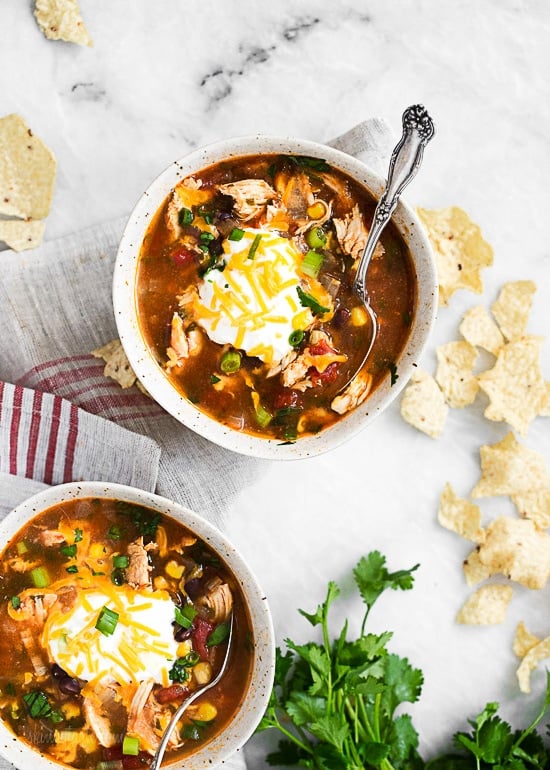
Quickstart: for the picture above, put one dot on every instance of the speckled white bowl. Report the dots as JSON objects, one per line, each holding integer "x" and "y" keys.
{"x": 151, "y": 374}
{"x": 239, "y": 730}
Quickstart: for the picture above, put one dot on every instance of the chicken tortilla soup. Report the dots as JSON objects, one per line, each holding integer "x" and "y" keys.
{"x": 244, "y": 294}
{"x": 111, "y": 615}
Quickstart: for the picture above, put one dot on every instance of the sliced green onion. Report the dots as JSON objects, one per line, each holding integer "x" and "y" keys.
{"x": 308, "y": 300}
{"x": 236, "y": 234}
{"x": 40, "y": 577}
{"x": 205, "y": 214}
{"x": 185, "y": 217}
{"x": 254, "y": 247}
{"x": 230, "y": 361}
{"x": 185, "y": 615}
{"x": 15, "y": 602}
{"x": 22, "y": 547}
{"x": 121, "y": 562}
{"x": 218, "y": 635}
{"x": 73, "y": 569}
{"x": 117, "y": 577}
{"x": 316, "y": 237}
{"x": 114, "y": 533}
{"x": 290, "y": 433}
{"x": 206, "y": 237}
{"x": 296, "y": 337}
{"x": 263, "y": 417}
{"x": 78, "y": 534}
{"x": 311, "y": 263}
{"x": 107, "y": 621}
{"x": 130, "y": 745}
{"x": 68, "y": 550}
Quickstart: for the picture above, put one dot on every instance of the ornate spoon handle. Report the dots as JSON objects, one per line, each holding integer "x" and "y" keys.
{"x": 418, "y": 129}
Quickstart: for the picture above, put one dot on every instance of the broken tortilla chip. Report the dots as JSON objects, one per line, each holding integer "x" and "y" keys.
{"x": 460, "y": 250}
{"x": 423, "y": 404}
{"x": 460, "y": 515}
{"x": 117, "y": 366}
{"x": 478, "y": 328}
{"x": 515, "y": 386}
{"x": 530, "y": 661}
{"x": 20, "y": 235}
{"x": 454, "y": 374}
{"x": 512, "y": 308}
{"x": 518, "y": 550}
{"x": 509, "y": 468}
{"x": 474, "y": 569}
{"x": 61, "y": 20}
{"x": 486, "y": 606}
{"x": 524, "y": 640}
{"x": 27, "y": 171}
{"x": 535, "y": 505}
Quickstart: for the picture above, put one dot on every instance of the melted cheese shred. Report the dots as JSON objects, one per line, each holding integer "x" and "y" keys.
{"x": 142, "y": 642}
{"x": 253, "y": 303}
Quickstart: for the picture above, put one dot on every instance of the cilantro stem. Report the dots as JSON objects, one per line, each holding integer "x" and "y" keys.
{"x": 291, "y": 736}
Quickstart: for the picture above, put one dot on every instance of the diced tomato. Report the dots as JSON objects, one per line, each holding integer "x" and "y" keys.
{"x": 323, "y": 378}
{"x": 169, "y": 694}
{"x": 201, "y": 631}
{"x": 142, "y": 760}
{"x": 321, "y": 348}
{"x": 285, "y": 397}
{"x": 183, "y": 256}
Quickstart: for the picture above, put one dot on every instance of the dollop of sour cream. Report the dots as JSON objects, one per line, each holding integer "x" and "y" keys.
{"x": 142, "y": 644}
{"x": 253, "y": 304}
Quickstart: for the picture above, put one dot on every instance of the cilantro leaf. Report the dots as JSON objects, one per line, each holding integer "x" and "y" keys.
{"x": 308, "y": 300}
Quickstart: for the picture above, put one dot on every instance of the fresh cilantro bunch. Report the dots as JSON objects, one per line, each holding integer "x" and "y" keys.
{"x": 335, "y": 701}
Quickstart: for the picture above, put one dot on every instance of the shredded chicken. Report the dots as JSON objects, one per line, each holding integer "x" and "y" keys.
{"x": 32, "y": 614}
{"x": 218, "y": 601}
{"x": 182, "y": 343}
{"x": 354, "y": 394}
{"x": 138, "y": 571}
{"x": 294, "y": 375}
{"x": 98, "y": 723}
{"x": 278, "y": 366}
{"x": 351, "y": 233}
{"x": 250, "y": 196}
{"x": 49, "y": 537}
{"x": 143, "y": 715}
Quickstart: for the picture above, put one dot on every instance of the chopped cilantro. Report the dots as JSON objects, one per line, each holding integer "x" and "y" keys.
{"x": 308, "y": 300}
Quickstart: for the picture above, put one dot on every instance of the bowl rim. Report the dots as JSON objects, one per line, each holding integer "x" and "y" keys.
{"x": 244, "y": 722}
{"x": 148, "y": 370}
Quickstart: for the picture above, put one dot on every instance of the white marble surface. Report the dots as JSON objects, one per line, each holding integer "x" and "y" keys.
{"x": 167, "y": 76}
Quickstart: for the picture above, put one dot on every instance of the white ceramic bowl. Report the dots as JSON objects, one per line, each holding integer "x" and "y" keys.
{"x": 150, "y": 373}
{"x": 239, "y": 730}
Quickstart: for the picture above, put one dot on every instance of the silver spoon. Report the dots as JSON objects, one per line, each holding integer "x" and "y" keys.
{"x": 157, "y": 759}
{"x": 418, "y": 129}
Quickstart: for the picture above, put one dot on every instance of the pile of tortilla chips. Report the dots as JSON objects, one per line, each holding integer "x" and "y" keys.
{"x": 27, "y": 178}
{"x": 510, "y": 550}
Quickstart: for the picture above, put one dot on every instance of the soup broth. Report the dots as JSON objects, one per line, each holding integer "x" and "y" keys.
{"x": 111, "y": 615}
{"x": 244, "y": 294}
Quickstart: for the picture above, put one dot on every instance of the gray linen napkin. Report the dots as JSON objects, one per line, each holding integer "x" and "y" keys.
{"x": 61, "y": 419}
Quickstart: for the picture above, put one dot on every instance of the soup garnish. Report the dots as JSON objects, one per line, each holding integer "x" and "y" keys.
{"x": 111, "y": 615}
{"x": 244, "y": 294}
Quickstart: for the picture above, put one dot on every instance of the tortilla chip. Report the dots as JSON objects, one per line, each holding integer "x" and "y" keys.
{"x": 460, "y": 516}
{"x": 423, "y": 404}
{"x": 459, "y": 248}
{"x": 512, "y": 308}
{"x": 474, "y": 569}
{"x": 478, "y": 328}
{"x": 515, "y": 386}
{"x": 486, "y": 606}
{"x": 517, "y": 549}
{"x": 20, "y": 235}
{"x": 27, "y": 171}
{"x": 454, "y": 374}
{"x": 509, "y": 468}
{"x": 534, "y": 505}
{"x": 117, "y": 366}
{"x": 533, "y": 657}
{"x": 545, "y": 411}
{"x": 524, "y": 640}
{"x": 61, "y": 20}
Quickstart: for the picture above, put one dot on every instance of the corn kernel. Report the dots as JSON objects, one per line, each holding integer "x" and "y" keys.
{"x": 70, "y": 710}
{"x": 184, "y": 648}
{"x": 358, "y": 316}
{"x": 174, "y": 570}
{"x": 28, "y": 677}
{"x": 202, "y": 672}
{"x": 316, "y": 210}
{"x": 97, "y": 551}
{"x": 206, "y": 712}
{"x": 160, "y": 583}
